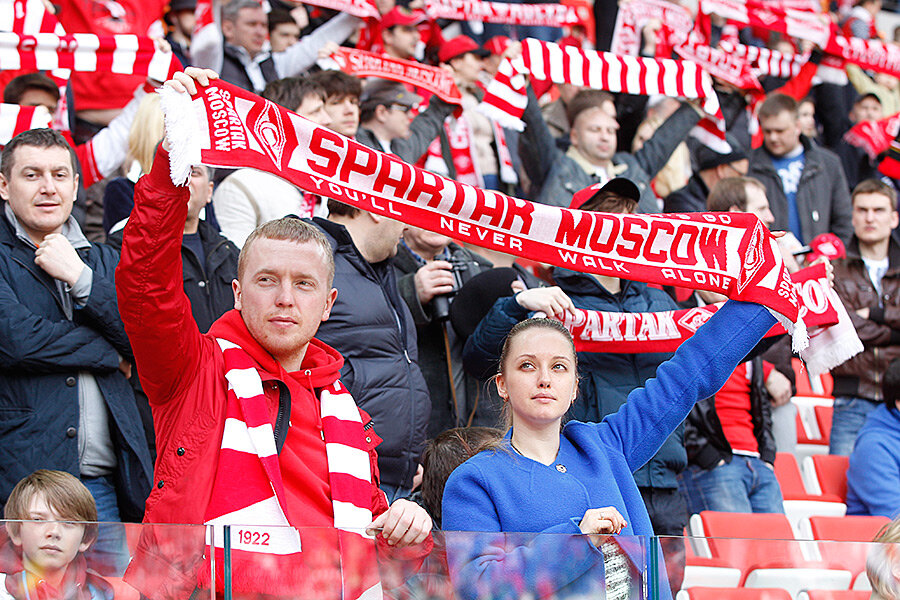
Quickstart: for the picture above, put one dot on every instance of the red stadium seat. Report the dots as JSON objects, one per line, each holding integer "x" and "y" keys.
{"x": 837, "y": 595}
{"x": 846, "y": 530}
{"x": 818, "y": 385}
{"x": 798, "y": 503}
{"x": 823, "y": 419}
{"x": 711, "y": 593}
{"x": 831, "y": 472}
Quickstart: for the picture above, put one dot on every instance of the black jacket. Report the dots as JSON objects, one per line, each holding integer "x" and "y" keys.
{"x": 690, "y": 198}
{"x": 233, "y": 70}
{"x": 208, "y": 286}
{"x": 372, "y": 328}
{"x": 43, "y": 351}
{"x": 704, "y": 439}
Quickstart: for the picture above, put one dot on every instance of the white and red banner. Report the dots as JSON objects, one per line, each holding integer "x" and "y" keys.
{"x": 550, "y": 15}
{"x": 730, "y": 253}
{"x": 358, "y": 8}
{"x": 361, "y": 63}
{"x": 874, "y": 137}
{"x": 629, "y": 333}
{"x": 15, "y": 119}
{"x": 873, "y": 55}
{"x": 28, "y": 17}
{"x": 727, "y": 66}
{"x": 635, "y": 14}
{"x": 793, "y": 22}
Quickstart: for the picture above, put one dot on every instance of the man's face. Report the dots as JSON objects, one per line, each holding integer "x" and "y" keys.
{"x": 397, "y": 119}
{"x": 284, "y": 293}
{"x": 249, "y": 30}
{"x": 38, "y": 97}
{"x": 806, "y": 119}
{"x": 781, "y": 133}
{"x": 758, "y": 204}
{"x": 313, "y": 108}
{"x": 467, "y": 68}
{"x": 388, "y": 235}
{"x": 594, "y": 135}
{"x": 184, "y": 21}
{"x": 41, "y": 189}
{"x": 400, "y": 41}
{"x": 344, "y": 113}
{"x": 201, "y": 191}
{"x": 873, "y": 217}
{"x": 867, "y": 109}
{"x": 48, "y": 545}
{"x": 283, "y": 36}
{"x": 424, "y": 241}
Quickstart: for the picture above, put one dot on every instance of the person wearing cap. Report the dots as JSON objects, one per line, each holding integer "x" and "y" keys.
{"x": 400, "y": 34}
{"x": 712, "y": 166}
{"x": 605, "y": 379}
{"x": 180, "y": 20}
{"x": 857, "y": 163}
{"x": 868, "y": 282}
{"x": 246, "y": 62}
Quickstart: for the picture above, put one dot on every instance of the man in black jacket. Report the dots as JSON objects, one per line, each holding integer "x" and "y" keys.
{"x": 65, "y": 401}
{"x": 372, "y": 328}
{"x": 712, "y": 167}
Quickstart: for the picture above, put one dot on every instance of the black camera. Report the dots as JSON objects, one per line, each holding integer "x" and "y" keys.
{"x": 463, "y": 270}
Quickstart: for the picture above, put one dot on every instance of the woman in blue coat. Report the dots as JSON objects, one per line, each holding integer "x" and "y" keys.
{"x": 577, "y": 478}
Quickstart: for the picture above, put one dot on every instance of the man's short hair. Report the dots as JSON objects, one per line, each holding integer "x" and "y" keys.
{"x": 338, "y": 84}
{"x": 585, "y": 100}
{"x": 277, "y": 16}
{"x": 290, "y": 91}
{"x": 875, "y": 186}
{"x": 776, "y": 104}
{"x": 342, "y": 210}
{"x": 17, "y": 86}
{"x": 62, "y": 491}
{"x": 289, "y": 229}
{"x": 39, "y": 138}
{"x": 731, "y": 192}
{"x": 231, "y": 9}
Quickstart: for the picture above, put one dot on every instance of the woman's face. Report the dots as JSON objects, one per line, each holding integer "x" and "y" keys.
{"x": 538, "y": 378}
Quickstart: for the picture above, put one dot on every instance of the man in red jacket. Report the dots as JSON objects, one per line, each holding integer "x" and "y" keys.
{"x": 243, "y": 415}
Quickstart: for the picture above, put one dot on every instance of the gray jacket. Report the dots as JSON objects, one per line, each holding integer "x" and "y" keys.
{"x": 422, "y": 131}
{"x": 823, "y": 196}
{"x": 558, "y": 177}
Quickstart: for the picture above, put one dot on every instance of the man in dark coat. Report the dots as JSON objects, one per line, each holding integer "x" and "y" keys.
{"x": 65, "y": 401}
{"x": 712, "y": 167}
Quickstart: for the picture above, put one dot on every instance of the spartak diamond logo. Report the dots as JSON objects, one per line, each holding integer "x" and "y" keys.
{"x": 694, "y": 318}
{"x": 754, "y": 258}
{"x": 269, "y": 130}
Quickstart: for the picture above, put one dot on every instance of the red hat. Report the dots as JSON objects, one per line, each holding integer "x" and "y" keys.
{"x": 401, "y": 16}
{"x": 828, "y": 245}
{"x": 497, "y": 45}
{"x": 619, "y": 185}
{"x": 461, "y": 44}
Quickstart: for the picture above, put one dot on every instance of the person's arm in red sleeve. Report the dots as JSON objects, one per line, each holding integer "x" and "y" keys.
{"x": 798, "y": 87}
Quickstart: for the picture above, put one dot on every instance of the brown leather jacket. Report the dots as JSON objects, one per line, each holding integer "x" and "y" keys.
{"x": 880, "y": 333}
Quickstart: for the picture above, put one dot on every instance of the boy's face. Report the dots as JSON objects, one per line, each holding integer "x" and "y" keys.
{"x": 47, "y": 544}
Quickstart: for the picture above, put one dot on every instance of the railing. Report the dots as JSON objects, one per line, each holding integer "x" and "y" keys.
{"x": 173, "y": 561}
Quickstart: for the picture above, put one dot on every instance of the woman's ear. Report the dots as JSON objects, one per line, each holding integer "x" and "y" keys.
{"x": 500, "y": 382}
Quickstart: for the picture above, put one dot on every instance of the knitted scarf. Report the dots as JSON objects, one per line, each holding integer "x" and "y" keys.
{"x": 248, "y": 492}
{"x": 550, "y": 15}
{"x": 874, "y": 136}
{"x": 15, "y": 119}
{"x": 361, "y": 63}
{"x": 633, "y": 15}
{"x": 731, "y": 253}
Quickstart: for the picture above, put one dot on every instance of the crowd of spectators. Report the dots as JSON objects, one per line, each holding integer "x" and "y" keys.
{"x": 116, "y": 377}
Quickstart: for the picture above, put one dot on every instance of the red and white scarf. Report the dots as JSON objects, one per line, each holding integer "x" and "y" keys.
{"x": 874, "y": 136}
{"x": 786, "y": 19}
{"x": 361, "y": 63}
{"x": 550, "y": 15}
{"x": 730, "y": 253}
{"x": 248, "y": 492}
{"x": 632, "y": 16}
{"x": 462, "y": 152}
{"x": 506, "y": 96}
{"x": 15, "y": 119}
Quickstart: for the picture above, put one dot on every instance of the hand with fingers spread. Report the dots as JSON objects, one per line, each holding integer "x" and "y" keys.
{"x": 548, "y": 300}
{"x": 599, "y": 522}
{"x": 433, "y": 279}
{"x": 404, "y": 524}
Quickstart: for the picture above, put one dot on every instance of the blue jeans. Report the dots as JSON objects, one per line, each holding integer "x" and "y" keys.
{"x": 850, "y": 414}
{"x": 108, "y": 555}
{"x": 746, "y": 484}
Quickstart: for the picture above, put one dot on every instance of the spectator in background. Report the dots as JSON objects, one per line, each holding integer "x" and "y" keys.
{"x": 284, "y": 31}
{"x": 861, "y": 22}
{"x": 43, "y": 556}
{"x": 873, "y": 479}
{"x": 555, "y": 113}
{"x": 245, "y": 62}
{"x": 32, "y": 89}
{"x": 806, "y": 118}
{"x": 868, "y": 282}
{"x": 883, "y": 563}
{"x": 886, "y": 87}
{"x": 180, "y": 20}
{"x": 855, "y": 160}
{"x": 342, "y": 92}
{"x": 400, "y": 34}
{"x": 805, "y": 184}
{"x": 712, "y": 167}
{"x": 247, "y": 198}
{"x": 66, "y": 359}
{"x": 372, "y": 328}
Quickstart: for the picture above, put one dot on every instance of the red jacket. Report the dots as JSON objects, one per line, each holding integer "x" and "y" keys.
{"x": 183, "y": 374}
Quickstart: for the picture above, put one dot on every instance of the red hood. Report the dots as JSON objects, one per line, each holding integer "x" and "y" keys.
{"x": 321, "y": 360}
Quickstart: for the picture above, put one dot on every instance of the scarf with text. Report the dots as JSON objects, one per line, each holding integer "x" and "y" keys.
{"x": 733, "y": 254}
{"x": 358, "y": 8}
{"x": 874, "y": 136}
{"x": 462, "y": 153}
{"x": 248, "y": 491}
{"x": 788, "y": 20}
{"x": 361, "y": 63}
{"x": 634, "y": 15}
{"x": 549, "y": 15}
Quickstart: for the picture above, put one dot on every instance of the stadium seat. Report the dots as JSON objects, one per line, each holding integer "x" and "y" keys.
{"x": 846, "y": 530}
{"x": 705, "y": 571}
{"x": 819, "y": 385}
{"x": 831, "y": 474}
{"x": 834, "y": 595}
{"x": 799, "y": 504}
{"x": 823, "y": 420}
{"x": 711, "y": 593}
{"x": 810, "y": 440}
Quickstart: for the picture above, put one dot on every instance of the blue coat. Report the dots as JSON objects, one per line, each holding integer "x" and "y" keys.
{"x": 605, "y": 379}
{"x": 501, "y": 491}
{"x": 41, "y": 354}
{"x": 873, "y": 479}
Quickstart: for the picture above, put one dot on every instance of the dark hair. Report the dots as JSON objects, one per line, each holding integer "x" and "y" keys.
{"x": 443, "y": 454}
{"x": 730, "y": 192}
{"x": 342, "y": 210}
{"x": 290, "y": 91}
{"x": 890, "y": 385}
{"x": 279, "y": 16}
{"x": 290, "y": 229}
{"x": 875, "y": 186}
{"x": 338, "y": 84}
{"x": 17, "y": 86}
{"x": 776, "y": 104}
{"x": 585, "y": 100}
{"x": 608, "y": 201}
{"x": 38, "y": 138}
